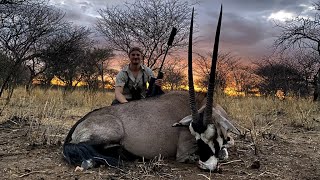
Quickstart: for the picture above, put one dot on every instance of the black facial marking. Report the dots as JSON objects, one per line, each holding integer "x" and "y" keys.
{"x": 199, "y": 127}
{"x": 204, "y": 150}
{"x": 225, "y": 141}
{"x": 215, "y": 142}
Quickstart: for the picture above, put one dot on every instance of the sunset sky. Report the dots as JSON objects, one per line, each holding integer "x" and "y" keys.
{"x": 248, "y": 28}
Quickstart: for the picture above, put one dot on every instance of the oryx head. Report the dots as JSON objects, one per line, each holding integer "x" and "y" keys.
{"x": 206, "y": 124}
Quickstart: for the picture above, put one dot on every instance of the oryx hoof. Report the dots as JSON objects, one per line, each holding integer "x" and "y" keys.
{"x": 87, "y": 164}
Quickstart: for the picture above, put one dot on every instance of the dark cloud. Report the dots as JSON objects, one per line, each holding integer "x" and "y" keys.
{"x": 247, "y": 6}
{"x": 247, "y": 30}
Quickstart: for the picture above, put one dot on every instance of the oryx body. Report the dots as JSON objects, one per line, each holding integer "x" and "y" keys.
{"x": 143, "y": 128}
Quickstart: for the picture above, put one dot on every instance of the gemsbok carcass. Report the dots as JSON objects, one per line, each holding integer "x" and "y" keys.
{"x": 144, "y": 128}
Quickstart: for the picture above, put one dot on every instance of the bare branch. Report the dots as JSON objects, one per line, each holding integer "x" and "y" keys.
{"x": 145, "y": 23}
{"x": 22, "y": 26}
{"x": 300, "y": 32}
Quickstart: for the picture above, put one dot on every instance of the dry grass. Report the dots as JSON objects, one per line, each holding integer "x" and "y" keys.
{"x": 267, "y": 116}
{"x": 50, "y": 112}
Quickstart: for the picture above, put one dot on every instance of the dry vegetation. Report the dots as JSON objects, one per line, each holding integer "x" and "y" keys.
{"x": 50, "y": 112}
{"x": 280, "y": 138}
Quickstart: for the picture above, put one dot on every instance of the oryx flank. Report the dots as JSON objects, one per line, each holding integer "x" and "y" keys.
{"x": 144, "y": 128}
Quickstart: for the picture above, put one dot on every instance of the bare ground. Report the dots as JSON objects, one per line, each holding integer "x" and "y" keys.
{"x": 292, "y": 154}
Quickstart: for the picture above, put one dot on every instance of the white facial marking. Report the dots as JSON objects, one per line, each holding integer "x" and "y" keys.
{"x": 229, "y": 143}
{"x": 211, "y": 145}
{"x": 210, "y": 164}
{"x": 207, "y": 136}
{"x": 208, "y": 133}
{"x": 194, "y": 133}
{"x": 220, "y": 140}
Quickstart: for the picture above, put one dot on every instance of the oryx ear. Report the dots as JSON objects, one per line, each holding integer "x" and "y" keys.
{"x": 225, "y": 123}
{"x": 185, "y": 122}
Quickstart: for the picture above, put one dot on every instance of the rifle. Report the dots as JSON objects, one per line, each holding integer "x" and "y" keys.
{"x": 153, "y": 89}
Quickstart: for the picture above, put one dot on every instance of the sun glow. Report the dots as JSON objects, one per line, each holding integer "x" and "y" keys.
{"x": 58, "y": 82}
{"x": 232, "y": 91}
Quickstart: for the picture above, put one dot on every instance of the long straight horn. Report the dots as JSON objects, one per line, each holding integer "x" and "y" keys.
{"x": 208, "y": 110}
{"x": 192, "y": 101}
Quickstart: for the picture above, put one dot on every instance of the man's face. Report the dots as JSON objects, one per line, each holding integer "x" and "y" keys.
{"x": 135, "y": 57}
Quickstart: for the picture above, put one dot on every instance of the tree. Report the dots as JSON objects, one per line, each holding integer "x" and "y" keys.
{"x": 307, "y": 63}
{"x": 174, "y": 73}
{"x": 280, "y": 75}
{"x": 19, "y": 77}
{"x": 5, "y": 64}
{"x": 300, "y": 32}
{"x": 11, "y": 1}
{"x": 225, "y": 65}
{"x": 97, "y": 64}
{"x": 36, "y": 67}
{"x": 316, "y": 81}
{"x": 245, "y": 79}
{"x": 146, "y": 23}
{"x": 66, "y": 56}
{"x": 111, "y": 74}
{"x": 22, "y": 26}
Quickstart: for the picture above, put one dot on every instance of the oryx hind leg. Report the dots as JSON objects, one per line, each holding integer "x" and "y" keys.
{"x": 96, "y": 139}
{"x": 104, "y": 129}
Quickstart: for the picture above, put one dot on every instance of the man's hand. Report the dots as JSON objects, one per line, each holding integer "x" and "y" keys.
{"x": 119, "y": 95}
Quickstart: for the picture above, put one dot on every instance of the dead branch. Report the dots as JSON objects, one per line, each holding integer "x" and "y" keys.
{"x": 32, "y": 172}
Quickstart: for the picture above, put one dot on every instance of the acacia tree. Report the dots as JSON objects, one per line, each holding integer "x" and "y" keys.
{"x": 174, "y": 73}
{"x": 111, "y": 74}
{"x": 225, "y": 65}
{"x": 18, "y": 77}
{"x": 307, "y": 63}
{"x": 278, "y": 74}
{"x": 147, "y": 24}
{"x": 22, "y": 26}
{"x": 97, "y": 63}
{"x": 66, "y": 56}
{"x": 302, "y": 33}
{"x": 245, "y": 79}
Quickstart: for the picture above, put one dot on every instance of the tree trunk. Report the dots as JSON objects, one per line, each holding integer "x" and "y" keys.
{"x": 316, "y": 87}
{"x": 102, "y": 79}
{"x": 9, "y": 76}
{"x": 29, "y": 83}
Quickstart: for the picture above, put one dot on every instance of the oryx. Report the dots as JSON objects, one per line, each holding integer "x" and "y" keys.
{"x": 144, "y": 128}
